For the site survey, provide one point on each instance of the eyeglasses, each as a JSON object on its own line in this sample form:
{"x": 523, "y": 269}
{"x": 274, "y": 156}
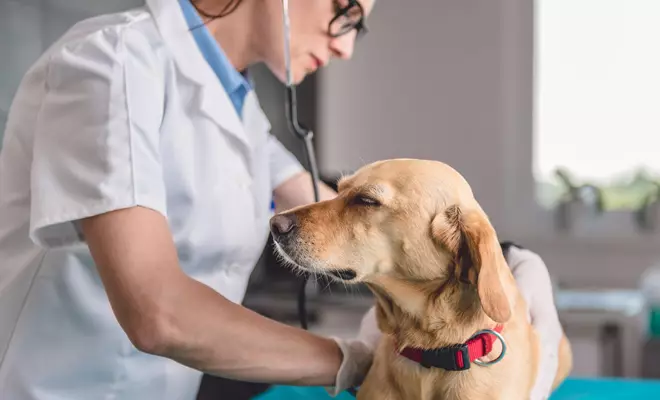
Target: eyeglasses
{"x": 347, "y": 18}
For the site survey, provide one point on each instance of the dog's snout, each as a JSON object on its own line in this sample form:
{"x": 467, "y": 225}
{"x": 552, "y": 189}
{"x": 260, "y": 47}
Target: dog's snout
{"x": 281, "y": 225}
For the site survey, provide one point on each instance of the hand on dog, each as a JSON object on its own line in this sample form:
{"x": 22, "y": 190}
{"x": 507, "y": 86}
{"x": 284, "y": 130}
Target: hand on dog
{"x": 532, "y": 277}
{"x": 358, "y": 354}
{"x": 534, "y": 282}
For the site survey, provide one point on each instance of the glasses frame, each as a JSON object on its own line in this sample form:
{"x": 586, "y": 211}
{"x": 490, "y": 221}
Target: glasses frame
{"x": 359, "y": 26}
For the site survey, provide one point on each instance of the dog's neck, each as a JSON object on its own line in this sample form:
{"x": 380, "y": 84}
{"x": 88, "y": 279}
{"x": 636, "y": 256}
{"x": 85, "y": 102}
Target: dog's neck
{"x": 451, "y": 318}
{"x": 441, "y": 326}
{"x": 442, "y": 336}
{"x": 436, "y": 382}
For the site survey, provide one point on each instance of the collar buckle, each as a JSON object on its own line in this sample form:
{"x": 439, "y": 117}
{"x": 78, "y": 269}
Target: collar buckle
{"x": 455, "y": 358}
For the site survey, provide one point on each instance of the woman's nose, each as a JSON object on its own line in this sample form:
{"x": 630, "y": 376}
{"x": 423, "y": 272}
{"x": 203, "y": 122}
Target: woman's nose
{"x": 343, "y": 46}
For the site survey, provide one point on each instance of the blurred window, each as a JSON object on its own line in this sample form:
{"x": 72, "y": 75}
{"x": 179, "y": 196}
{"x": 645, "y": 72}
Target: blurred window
{"x": 597, "y": 99}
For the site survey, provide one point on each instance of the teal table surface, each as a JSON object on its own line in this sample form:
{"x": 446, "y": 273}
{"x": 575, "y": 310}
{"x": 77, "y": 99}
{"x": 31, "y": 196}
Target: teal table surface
{"x": 571, "y": 389}
{"x": 607, "y": 389}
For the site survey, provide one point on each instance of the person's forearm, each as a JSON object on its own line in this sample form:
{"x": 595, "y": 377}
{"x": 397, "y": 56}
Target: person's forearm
{"x": 214, "y": 335}
{"x": 209, "y": 333}
{"x": 165, "y": 312}
{"x": 298, "y": 191}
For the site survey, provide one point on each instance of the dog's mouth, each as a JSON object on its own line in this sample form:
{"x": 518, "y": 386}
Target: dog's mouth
{"x": 343, "y": 274}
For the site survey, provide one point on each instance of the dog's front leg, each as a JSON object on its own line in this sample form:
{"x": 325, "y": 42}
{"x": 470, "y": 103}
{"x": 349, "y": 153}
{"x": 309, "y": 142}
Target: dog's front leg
{"x": 378, "y": 384}
{"x": 376, "y": 389}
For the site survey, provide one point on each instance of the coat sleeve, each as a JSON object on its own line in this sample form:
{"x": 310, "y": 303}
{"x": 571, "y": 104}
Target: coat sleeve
{"x": 96, "y": 142}
{"x": 283, "y": 164}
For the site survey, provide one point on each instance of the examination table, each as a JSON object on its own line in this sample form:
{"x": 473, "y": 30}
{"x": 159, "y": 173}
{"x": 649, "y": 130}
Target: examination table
{"x": 571, "y": 389}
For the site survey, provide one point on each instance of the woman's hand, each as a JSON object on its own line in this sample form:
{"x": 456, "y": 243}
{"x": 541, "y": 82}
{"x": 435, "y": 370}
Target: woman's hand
{"x": 534, "y": 282}
{"x": 358, "y": 354}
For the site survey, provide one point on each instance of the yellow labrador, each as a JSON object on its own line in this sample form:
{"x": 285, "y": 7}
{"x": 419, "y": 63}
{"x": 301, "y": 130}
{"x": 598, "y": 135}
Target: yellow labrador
{"x": 455, "y": 325}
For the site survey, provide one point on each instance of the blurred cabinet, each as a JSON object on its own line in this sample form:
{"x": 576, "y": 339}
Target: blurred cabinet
{"x": 650, "y": 357}
{"x": 606, "y": 328}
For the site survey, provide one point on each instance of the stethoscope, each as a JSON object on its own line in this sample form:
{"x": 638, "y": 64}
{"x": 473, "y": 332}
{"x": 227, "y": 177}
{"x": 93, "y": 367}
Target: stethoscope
{"x": 304, "y": 135}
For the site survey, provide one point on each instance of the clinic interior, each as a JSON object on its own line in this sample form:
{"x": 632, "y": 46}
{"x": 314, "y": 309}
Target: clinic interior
{"x": 547, "y": 107}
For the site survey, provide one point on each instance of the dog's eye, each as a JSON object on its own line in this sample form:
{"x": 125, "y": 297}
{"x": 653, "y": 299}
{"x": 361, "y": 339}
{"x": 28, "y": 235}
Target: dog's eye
{"x": 364, "y": 201}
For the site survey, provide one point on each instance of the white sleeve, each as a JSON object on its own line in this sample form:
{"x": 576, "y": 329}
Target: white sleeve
{"x": 283, "y": 164}
{"x": 96, "y": 145}
{"x": 369, "y": 332}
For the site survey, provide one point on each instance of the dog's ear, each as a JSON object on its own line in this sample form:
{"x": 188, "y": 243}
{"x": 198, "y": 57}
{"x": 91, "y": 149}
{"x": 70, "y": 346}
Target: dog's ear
{"x": 469, "y": 236}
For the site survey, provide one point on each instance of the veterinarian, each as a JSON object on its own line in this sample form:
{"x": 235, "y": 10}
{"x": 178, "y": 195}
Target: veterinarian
{"x": 136, "y": 180}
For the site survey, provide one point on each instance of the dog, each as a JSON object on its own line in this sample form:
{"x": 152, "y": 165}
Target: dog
{"x": 412, "y": 232}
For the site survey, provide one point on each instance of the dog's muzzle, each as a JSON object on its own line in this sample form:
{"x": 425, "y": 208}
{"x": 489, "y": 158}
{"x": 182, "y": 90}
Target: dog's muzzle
{"x": 284, "y": 228}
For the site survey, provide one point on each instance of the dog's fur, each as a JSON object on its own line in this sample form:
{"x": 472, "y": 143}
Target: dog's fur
{"x": 412, "y": 231}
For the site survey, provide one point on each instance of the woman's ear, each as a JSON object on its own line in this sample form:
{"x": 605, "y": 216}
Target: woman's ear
{"x": 470, "y": 237}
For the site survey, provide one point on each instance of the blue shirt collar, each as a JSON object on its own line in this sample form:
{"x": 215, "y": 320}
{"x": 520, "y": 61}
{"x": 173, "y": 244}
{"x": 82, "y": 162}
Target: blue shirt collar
{"x": 235, "y": 84}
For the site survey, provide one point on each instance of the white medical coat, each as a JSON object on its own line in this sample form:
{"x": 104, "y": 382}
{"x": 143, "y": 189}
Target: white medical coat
{"x": 122, "y": 111}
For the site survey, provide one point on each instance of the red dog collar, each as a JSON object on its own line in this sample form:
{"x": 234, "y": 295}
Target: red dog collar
{"x": 458, "y": 358}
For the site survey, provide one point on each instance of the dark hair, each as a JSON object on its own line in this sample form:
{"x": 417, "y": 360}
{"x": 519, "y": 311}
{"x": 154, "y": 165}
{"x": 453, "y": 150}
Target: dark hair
{"x": 229, "y": 8}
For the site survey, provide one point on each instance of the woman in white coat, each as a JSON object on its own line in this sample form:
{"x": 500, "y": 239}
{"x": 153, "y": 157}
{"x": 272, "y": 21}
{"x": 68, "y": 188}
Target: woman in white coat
{"x": 136, "y": 179}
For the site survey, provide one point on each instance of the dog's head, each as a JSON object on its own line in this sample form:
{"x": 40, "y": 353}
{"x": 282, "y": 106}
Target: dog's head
{"x": 409, "y": 229}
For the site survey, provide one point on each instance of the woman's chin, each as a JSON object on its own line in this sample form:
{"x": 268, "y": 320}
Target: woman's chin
{"x": 298, "y": 75}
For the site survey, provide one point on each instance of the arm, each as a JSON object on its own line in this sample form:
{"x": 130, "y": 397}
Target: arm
{"x": 298, "y": 190}
{"x": 97, "y": 180}
{"x": 292, "y": 184}
{"x": 164, "y": 312}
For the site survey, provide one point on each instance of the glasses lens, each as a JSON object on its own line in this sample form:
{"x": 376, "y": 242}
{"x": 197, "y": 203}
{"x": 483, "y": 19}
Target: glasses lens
{"x": 346, "y": 20}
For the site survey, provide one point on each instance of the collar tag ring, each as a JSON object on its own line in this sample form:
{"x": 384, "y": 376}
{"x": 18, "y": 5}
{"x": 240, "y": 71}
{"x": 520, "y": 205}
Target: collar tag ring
{"x": 502, "y": 353}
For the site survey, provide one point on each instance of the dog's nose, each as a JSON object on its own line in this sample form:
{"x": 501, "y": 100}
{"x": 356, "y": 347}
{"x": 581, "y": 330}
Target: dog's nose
{"x": 283, "y": 224}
